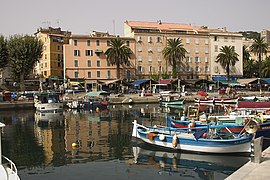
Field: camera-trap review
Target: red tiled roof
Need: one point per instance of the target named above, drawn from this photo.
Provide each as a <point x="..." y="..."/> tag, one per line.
<point x="164" y="26"/>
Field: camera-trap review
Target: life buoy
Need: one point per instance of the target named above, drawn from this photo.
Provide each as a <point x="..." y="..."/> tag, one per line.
<point x="161" y="137"/>
<point x="174" y="141"/>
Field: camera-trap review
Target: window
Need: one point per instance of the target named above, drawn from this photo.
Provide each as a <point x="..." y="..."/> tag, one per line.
<point x="76" y="52"/>
<point x="188" y="59"/>
<point x="58" y="48"/>
<point x="149" y="49"/>
<point x="206" y="41"/>
<point x="187" y="41"/>
<point x="45" y="65"/>
<point x="139" y="38"/>
<point x="108" y="43"/>
<point x="158" y="39"/>
<point x="88" y="42"/>
<point x="88" y="52"/>
<point x="188" y="51"/>
<point x="76" y="74"/>
<point x="159" y="58"/>
<point x="98" y="63"/>
<point x="159" y="68"/>
<point x="89" y="74"/>
<point x="98" y="73"/>
<point x="197" y="59"/>
<point x="215" y="38"/>
<point x="75" y="42"/>
<point x="196" y="51"/>
<point x="206" y="68"/>
<point x="97" y="42"/>
<point x="89" y="63"/>
<point x="140" y="68"/>
<point x="216" y="48"/>
<point x="149" y="39"/>
<point x="150" y="68"/>
<point x="206" y="59"/>
<point x="188" y="68"/>
<point x="76" y="63"/>
<point x="127" y="43"/>
<point x="140" y="48"/>
<point x="197" y="69"/>
<point x="45" y="56"/>
<point x="196" y="41"/>
<point x="45" y="73"/>
<point x="149" y="58"/>
<point x="58" y="57"/>
<point x="109" y="74"/>
<point x="206" y="50"/>
<point x="140" y="58"/>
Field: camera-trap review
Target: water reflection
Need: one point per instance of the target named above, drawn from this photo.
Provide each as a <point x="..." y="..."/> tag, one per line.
<point x="187" y="165"/>
<point x="41" y="143"/>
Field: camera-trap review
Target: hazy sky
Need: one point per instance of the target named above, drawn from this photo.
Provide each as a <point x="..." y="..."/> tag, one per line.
<point x="84" y="16"/>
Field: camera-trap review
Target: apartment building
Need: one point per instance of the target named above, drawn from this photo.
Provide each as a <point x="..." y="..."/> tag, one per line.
<point x="221" y="37"/>
<point x="202" y="45"/>
<point x="151" y="38"/>
<point x="51" y="63"/>
<point x="84" y="58"/>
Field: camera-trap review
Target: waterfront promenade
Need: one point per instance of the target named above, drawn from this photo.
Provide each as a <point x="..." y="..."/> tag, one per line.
<point x="253" y="171"/>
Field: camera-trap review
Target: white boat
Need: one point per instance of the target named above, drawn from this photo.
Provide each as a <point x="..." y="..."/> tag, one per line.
<point x="8" y="170"/>
<point x="48" y="102"/>
<point x="203" y="141"/>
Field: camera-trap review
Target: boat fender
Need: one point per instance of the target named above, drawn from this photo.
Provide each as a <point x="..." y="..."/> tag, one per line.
<point x="204" y="135"/>
<point x="74" y="145"/>
<point x="151" y="136"/>
<point x="174" y="141"/>
<point x="162" y="137"/>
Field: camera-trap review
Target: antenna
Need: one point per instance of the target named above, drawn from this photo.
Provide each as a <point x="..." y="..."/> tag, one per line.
<point x="113" y="27"/>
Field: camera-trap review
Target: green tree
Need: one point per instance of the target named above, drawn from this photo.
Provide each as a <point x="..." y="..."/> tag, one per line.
<point x="248" y="68"/>
<point x="174" y="52"/>
<point x="3" y="52"/>
<point x="118" y="54"/>
<point x="24" y="52"/>
<point x="259" y="48"/>
<point x="266" y="67"/>
<point x="227" y="57"/>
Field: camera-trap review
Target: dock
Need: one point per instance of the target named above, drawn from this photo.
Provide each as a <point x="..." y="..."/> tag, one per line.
<point x="253" y="171"/>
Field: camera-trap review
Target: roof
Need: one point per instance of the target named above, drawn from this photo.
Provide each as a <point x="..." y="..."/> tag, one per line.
<point x="164" y="26"/>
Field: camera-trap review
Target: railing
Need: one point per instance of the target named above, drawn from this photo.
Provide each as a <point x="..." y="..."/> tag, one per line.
<point x="12" y="166"/>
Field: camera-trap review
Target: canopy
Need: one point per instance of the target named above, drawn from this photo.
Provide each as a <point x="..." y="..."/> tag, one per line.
<point x="204" y="81"/>
<point x="143" y="81"/>
<point x="252" y="81"/>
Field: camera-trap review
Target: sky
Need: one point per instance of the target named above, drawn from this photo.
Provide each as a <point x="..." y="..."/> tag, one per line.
<point x="85" y="16"/>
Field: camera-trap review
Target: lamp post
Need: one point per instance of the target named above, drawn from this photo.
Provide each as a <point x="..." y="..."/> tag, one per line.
<point x="260" y="85"/>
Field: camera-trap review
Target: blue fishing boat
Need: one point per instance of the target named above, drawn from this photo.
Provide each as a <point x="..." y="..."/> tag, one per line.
<point x="206" y="139"/>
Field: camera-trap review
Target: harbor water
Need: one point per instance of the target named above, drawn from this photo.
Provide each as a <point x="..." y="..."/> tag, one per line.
<point x="98" y="145"/>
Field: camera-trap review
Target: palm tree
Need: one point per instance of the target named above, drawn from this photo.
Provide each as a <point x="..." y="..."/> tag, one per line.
<point x="259" y="48"/>
<point x="248" y="69"/>
<point x="174" y="52"/>
<point x="118" y="54"/>
<point x="266" y="67"/>
<point x="227" y="57"/>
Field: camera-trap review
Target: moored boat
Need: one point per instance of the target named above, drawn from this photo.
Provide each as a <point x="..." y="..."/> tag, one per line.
<point x="216" y="100"/>
<point x="171" y="99"/>
<point x="96" y="99"/>
<point x="48" y="102"/>
<point x="203" y="141"/>
<point x="8" y="170"/>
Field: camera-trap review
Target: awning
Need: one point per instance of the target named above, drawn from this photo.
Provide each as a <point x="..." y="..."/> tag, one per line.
<point x="204" y="81"/>
<point x="98" y="51"/>
<point x="219" y="78"/>
<point x="252" y="81"/>
<point x="143" y="81"/>
<point x="231" y="82"/>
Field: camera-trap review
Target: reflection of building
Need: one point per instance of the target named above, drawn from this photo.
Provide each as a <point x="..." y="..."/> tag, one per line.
<point x="50" y="133"/>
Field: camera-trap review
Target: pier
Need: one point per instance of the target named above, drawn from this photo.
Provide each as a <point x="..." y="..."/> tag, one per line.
<point x="253" y="170"/>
